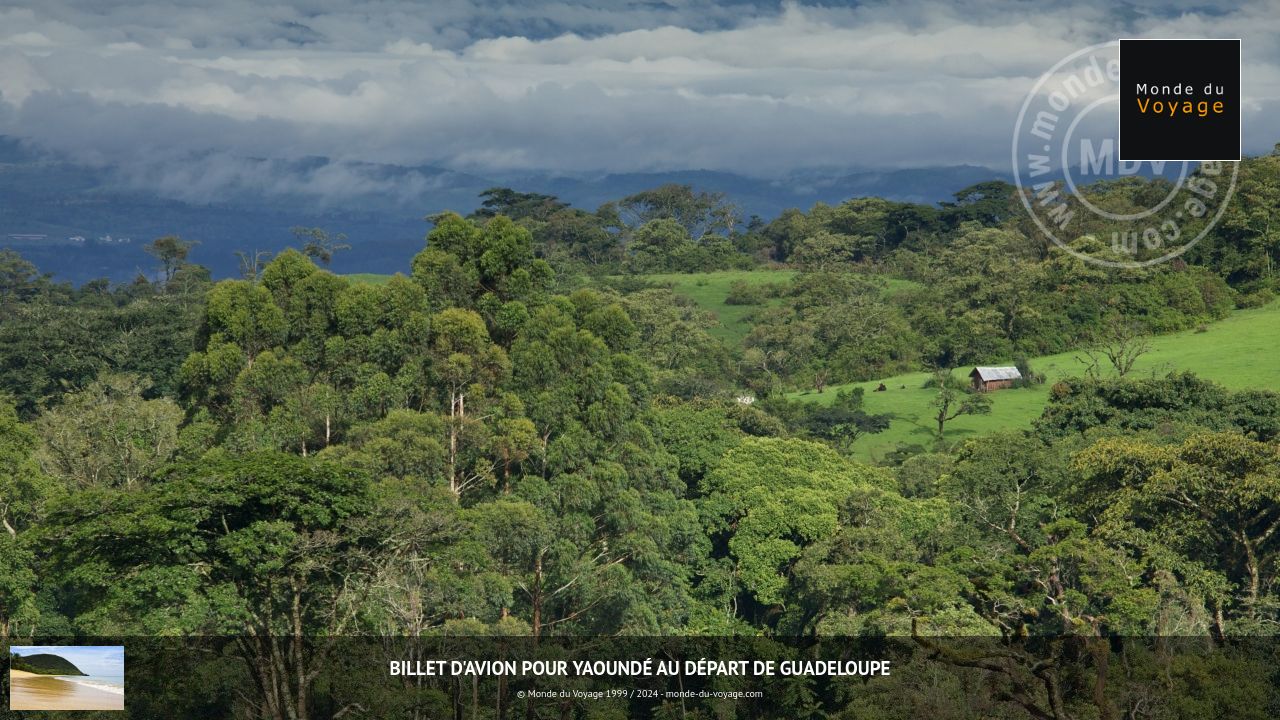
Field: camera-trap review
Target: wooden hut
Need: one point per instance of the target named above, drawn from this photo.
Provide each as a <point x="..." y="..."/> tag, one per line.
<point x="986" y="379"/>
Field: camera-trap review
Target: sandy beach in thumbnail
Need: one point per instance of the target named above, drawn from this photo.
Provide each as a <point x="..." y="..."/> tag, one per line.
<point x="29" y="691"/>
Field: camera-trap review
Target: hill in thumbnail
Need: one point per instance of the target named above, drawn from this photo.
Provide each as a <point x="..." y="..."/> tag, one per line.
<point x="45" y="664"/>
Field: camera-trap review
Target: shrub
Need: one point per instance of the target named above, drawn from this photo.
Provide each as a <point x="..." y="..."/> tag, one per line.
<point x="743" y="293"/>
<point x="1255" y="299"/>
<point x="1030" y="378"/>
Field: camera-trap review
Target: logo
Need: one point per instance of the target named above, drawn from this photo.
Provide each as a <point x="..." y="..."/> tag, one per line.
<point x="1180" y="99"/>
<point x="1087" y="201"/>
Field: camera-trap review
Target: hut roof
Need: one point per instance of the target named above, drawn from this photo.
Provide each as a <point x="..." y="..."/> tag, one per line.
<point x="996" y="373"/>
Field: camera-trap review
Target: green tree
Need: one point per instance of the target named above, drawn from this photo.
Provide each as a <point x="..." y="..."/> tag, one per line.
<point x="246" y="314"/>
<point x="1174" y="401"/>
<point x="23" y="488"/>
<point x="1245" y="244"/>
<point x="951" y="401"/>
<point x="267" y="547"/>
<point x="18" y="585"/>
<point x="655" y="245"/>
<point x="23" y="493"/>
<point x="108" y="435"/>
<point x="987" y="202"/>
<point x="19" y="279"/>
<point x="517" y="205"/>
<point x="673" y="335"/>
<point x="171" y="251"/>
<point x="697" y="212"/>
<point x="769" y="498"/>
<point x="825" y="251"/>
<point x="1052" y="589"/>
<point x="406" y="444"/>
<point x="51" y="343"/>
<point x="610" y="542"/>
<point x="466" y="363"/>
<point x="318" y="244"/>
<point x="1213" y="501"/>
<point x="879" y="572"/>
<point x="466" y="266"/>
<point x="579" y="235"/>
<point x="844" y="421"/>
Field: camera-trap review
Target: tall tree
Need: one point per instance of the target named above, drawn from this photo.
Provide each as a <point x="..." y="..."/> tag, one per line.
<point x="1214" y="500"/>
<point x="954" y="400"/>
<point x="23" y="488"/>
<point x="318" y="244"/>
<point x="19" y="279"/>
<point x="770" y="498"/>
<point x="698" y="212"/>
<point x="268" y="548"/>
<point x="246" y="314"/>
<point x="517" y="205"/>
<point x="465" y="265"/>
<point x="171" y="251"/>
<point x="108" y="434"/>
<point x="467" y="365"/>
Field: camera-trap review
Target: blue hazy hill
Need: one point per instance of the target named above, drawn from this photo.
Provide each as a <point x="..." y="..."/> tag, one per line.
<point x="81" y="221"/>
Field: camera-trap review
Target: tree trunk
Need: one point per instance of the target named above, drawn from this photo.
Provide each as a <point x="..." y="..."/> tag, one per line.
<point x="1251" y="567"/>
<point x="1100" y="648"/>
<point x="502" y="696"/>
<point x="300" y="668"/>
<point x="457" y="412"/>
<point x="536" y="596"/>
<point x="457" y="699"/>
<point x="1219" y="633"/>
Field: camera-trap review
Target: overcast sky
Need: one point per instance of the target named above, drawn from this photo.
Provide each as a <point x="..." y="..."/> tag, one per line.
<point x="754" y="87"/>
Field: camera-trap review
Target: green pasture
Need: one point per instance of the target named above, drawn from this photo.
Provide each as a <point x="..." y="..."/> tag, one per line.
<point x="1242" y="351"/>
<point x="709" y="290"/>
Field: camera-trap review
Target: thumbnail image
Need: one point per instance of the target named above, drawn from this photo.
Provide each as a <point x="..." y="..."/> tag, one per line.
<point x="66" y="678"/>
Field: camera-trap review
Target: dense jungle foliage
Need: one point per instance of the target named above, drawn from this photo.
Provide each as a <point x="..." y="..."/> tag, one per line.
<point x="523" y="435"/>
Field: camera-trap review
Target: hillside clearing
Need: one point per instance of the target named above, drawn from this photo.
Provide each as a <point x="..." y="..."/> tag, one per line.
<point x="369" y="278"/>
<point x="1238" y="352"/>
<point x="709" y="290"/>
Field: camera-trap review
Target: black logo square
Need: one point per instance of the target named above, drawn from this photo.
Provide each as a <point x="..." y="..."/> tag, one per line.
<point x="1179" y="100"/>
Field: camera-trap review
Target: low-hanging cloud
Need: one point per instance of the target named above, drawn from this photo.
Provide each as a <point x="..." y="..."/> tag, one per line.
<point x="755" y="88"/>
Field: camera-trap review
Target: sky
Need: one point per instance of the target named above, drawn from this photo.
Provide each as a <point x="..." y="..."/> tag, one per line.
<point x="758" y="88"/>
<point x="90" y="659"/>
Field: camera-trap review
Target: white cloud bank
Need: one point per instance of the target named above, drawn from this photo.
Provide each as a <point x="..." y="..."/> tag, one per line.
<point x="756" y="89"/>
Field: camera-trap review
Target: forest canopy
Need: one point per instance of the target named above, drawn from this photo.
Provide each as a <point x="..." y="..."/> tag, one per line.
<point x="526" y="434"/>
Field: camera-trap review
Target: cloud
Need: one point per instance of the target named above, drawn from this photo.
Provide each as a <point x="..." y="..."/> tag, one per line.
<point x="756" y="88"/>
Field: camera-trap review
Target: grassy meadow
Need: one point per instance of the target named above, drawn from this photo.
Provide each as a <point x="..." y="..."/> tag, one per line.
<point x="369" y="278"/>
<point x="709" y="290"/>
<point x="1242" y="351"/>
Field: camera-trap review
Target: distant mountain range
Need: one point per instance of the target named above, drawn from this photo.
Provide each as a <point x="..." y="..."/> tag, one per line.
<point x="82" y="221"/>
